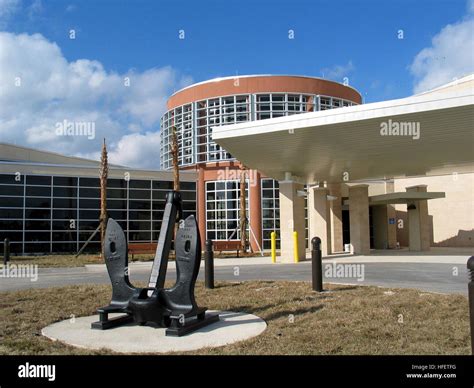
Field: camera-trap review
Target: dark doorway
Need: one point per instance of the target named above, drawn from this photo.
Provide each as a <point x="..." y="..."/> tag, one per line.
<point x="346" y="230"/>
<point x="371" y="228"/>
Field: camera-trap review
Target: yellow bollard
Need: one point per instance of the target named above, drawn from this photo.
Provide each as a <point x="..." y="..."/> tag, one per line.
<point x="274" y="247"/>
<point x="295" y="247"/>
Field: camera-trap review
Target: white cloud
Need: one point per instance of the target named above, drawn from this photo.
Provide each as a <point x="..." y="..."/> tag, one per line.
<point x="337" y="72"/>
<point x="71" y="8"/>
<point x="39" y="88"/>
<point x="450" y="55"/>
<point x="7" y="9"/>
<point x="470" y="6"/>
<point x="34" y="9"/>
<point x="137" y="149"/>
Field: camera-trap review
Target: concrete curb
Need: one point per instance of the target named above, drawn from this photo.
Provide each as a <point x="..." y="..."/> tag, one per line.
<point x="456" y="260"/>
<point x="403" y="259"/>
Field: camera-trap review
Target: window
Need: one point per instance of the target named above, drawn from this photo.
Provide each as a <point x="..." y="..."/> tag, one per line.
<point x="223" y="209"/>
<point x="38" y="202"/>
<point x="89" y="182"/>
<point x="139" y="194"/>
<point x="11" y="179"/>
<point x="241" y="99"/>
<point x="47" y="210"/>
<point x="293" y="104"/>
<point x="139" y="184"/>
<point x="72" y="192"/>
<point x="15" y="190"/>
<point x="263" y="106"/>
<point x="195" y="121"/>
<point x="270" y="212"/>
<point x="304" y="103"/>
<point x="228" y="101"/>
<point x="38" y="180"/>
<point x="278" y="102"/>
<point x="162" y="185"/>
<point x="64" y="202"/>
<point x="10" y="201"/>
<point x="324" y="103"/>
<point x="64" y="181"/>
<point x="209" y="113"/>
<point x="36" y="191"/>
<point x="116" y="193"/>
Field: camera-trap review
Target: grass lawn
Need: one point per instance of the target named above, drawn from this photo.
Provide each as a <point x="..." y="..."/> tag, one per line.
<point x="346" y="320"/>
<point x="57" y="261"/>
<point x="68" y="260"/>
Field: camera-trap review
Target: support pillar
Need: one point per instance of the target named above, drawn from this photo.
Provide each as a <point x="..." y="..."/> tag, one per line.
<point x="359" y="219"/>
<point x="380" y="225"/>
<point x="319" y="217"/>
<point x="255" y="210"/>
<point x="335" y="212"/>
<point x="391" y="215"/>
<point x="418" y="222"/>
<point x="291" y="219"/>
<point x="201" y="204"/>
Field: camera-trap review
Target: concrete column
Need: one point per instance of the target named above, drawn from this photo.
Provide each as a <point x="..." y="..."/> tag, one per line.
<point x="255" y="210"/>
<point x="380" y="223"/>
<point x="201" y="205"/>
<point x="418" y="222"/>
<point x="392" y="227"/>
<point x="391" y="214"/>
<point x="359" y="218"/>
<point x="335" y="212"/>
<point x="291" y="219"/>
<point x="319" y="218"/>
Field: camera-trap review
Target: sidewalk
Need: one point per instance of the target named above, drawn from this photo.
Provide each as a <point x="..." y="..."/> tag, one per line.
<point x="218" y="262"/>
<point x="455" y="256"/>
<point x="436" y="255"/>
<point x="398" y="259"/>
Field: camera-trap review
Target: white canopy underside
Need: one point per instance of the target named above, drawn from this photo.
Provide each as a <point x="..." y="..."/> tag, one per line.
<point x="346" y="143"/>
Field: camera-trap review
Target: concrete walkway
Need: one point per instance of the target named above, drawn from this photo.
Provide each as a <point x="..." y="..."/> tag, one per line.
<point x="435" y="255"/>
<point x="218" y="262"/>
<point x="460" y="260"/>
<point x="231" y="327"/>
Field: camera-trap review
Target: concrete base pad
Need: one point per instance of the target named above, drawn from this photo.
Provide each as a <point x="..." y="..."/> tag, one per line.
<point x="232" y="327"/>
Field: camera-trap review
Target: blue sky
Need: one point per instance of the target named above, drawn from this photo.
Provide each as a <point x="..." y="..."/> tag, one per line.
<point x="249" y="37"/>
<point x="335" y="39"/>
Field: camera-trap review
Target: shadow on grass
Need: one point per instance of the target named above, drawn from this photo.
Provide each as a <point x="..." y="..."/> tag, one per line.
<point x="276" y="315"/>
<point x="223" y="285"/>
<point x="301" y="311"/>
<point x="233" y="284"/>
<point x="344" y="288"/>
<point x="257" y="309"/>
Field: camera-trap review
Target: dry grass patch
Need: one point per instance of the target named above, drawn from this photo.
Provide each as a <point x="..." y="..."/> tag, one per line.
<point x="58" y="261"/>
<point x="344" y="320"/>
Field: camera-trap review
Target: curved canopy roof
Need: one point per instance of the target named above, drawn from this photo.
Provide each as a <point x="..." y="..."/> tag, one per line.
<point x="361" y="142"/>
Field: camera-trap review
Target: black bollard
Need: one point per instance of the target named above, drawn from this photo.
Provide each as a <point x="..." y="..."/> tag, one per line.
<point x="316" y="262"/>
<point x="6" y="251"/>
<point x="209" y="265"/>
<point x="470" y="268"/>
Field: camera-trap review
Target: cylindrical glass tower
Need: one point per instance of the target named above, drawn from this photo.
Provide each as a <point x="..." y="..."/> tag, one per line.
<point x="196" y="109"/>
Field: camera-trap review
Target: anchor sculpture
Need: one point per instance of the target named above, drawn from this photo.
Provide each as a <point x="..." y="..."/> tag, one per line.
<point x="174" y="308"/>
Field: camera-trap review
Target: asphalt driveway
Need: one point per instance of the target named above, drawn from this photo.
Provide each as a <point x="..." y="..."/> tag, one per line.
<point x="433" y="277"/>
